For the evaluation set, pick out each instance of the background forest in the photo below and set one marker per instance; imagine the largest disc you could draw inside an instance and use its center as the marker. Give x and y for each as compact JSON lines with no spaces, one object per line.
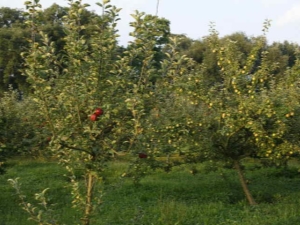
{"x":14,"y":34}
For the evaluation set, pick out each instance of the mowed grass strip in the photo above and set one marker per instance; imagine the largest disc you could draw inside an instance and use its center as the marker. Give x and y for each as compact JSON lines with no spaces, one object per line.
{"x":178,"y":197}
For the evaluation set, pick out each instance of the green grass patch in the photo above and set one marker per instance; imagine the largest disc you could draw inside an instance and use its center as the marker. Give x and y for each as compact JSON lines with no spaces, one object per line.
{"x":211,"y":197}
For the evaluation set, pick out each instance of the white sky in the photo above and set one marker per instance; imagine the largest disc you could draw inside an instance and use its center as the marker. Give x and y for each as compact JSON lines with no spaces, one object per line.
{"x":192,"y":17}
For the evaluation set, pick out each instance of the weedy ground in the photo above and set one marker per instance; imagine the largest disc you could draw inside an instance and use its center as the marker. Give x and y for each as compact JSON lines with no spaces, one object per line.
{"x":209,"y":197}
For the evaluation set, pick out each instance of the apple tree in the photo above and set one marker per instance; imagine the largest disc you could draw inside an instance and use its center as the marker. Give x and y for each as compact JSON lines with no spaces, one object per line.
{"x":19,"y":135}
{"x":244,"y":113}
{"x":150,"y":63}
{"x":81,"y":100}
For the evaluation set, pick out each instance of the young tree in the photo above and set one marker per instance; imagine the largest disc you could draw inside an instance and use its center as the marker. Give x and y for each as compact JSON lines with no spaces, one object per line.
{"x":244,"y":113}
{"x":81,"y":101}
{"x":91,"y":99}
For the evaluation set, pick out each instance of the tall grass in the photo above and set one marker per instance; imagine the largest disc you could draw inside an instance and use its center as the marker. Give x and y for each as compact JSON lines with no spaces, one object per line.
{"x":178,"y":197}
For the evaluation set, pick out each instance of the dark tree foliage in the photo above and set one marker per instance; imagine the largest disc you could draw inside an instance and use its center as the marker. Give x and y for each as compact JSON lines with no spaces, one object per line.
{"x":12,"y":42}
{"x":161,"y":30}
{"x":14,"y":35}
{"x":280,"y":55}
{"x":11,"y":18}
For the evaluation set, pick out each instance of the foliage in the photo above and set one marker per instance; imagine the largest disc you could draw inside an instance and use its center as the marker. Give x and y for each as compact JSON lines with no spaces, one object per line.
{"x":41,"y":215}
{"x":21,"y":132}
{"x":245,"y":112}
{"x":11,"y":44}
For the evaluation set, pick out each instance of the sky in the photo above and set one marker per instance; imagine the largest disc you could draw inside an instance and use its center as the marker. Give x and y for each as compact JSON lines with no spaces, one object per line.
{"x":192,"y":17}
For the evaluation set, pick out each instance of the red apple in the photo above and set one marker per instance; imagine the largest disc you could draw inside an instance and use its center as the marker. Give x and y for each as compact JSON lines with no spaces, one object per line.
{"x":98,"y":111}
{"x":94,"y":117}
{"x":143,"y":155}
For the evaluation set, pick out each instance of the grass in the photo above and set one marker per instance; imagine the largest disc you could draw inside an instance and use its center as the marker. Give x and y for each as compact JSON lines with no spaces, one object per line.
{"x":178,"y":197}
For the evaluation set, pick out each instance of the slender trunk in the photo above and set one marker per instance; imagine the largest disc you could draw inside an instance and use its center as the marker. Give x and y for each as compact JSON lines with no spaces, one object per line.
{"x":246,"y":190}
{"x":89,"y":197}
{"x":168,"y":158}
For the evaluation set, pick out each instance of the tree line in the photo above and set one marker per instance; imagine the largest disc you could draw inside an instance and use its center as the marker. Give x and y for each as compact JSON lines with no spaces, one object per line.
{"x":14,"y":35}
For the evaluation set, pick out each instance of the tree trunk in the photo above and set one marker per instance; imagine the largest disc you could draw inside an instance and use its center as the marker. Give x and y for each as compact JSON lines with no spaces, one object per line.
{"x":244,"y":184}
{"x":89,"y":197}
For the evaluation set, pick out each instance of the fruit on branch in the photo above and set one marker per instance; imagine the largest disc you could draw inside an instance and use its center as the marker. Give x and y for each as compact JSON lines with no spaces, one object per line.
{"x":98,"y":111}
{"x":94,"y":117}
{"x":143,"y":155}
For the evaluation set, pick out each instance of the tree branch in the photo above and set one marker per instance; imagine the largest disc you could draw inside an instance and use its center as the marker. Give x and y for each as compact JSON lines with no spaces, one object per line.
{"x":75,"y":148}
